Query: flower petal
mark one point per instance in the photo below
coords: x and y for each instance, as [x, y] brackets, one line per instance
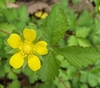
[14, 40]
[17, 60]
[29, 34]
[34, 63]
[40, 47]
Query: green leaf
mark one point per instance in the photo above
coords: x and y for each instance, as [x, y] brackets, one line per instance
[3, 4]
[92, 80]
[54, 26]
[84, 76]
[71, 17]
[1, 86]
[83, 42]
[23, 14]
[33, 78]
[8, 28]
[84, 86]
[14, 84]
[72, 41]
[49, 68]
[97, 2]
[82, 32]
[27, 71]
[95, 33]
[2, 72]
[7, 68]
[64, 3]
[12, 75]
[85, 19]
[10, 14]
[17, 71]
[12, 1]
[78, 56]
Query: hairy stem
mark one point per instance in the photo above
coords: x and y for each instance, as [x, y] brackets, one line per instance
[4, 32]
[62, 82]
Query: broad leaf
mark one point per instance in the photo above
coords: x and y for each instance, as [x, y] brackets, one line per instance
[54, 26]
[80, 57]
[49, 68]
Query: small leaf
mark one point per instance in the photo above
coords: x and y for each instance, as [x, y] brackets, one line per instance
[17, 71]
[82, 32]
[83, 42]
[78, 56]
[8, 28]
[84, 76]
[54, 25]
[23, 14]
[83, 86]
[7, 68]
[49, 69]
[14, 84]
[72, 41]
[12, 75]
[27, 71]
[10, 15]
[85, 19]
[33, 78]
[2, 72]
[92, 80]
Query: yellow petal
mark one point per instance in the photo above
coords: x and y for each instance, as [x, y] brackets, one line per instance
[38, 14]
[34, 63]
[29, 34]
[14, 40]
[17, 60]
[41, 47]
[44, 15]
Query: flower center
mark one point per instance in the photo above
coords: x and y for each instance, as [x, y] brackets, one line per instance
[26, 48]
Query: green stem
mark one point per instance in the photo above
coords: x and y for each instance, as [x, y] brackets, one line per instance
[62, 82]
[4, 32]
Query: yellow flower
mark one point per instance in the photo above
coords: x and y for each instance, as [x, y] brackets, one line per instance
[41, 15]
[99, 8]
[27, 49]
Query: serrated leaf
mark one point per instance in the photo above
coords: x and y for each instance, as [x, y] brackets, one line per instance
[54, 26]
[33, 78]
[12, 75]
[14, 84]
[83, 42]
[10, 14]
[84, 76]
[17, 71]
[71, 17]
[72, 41]
[23, 14]
[78, 56]
[92, 80]
[82, 32]
[8, 28]
[95, 33]
[27, 71]
[7, 68]
[85, 19]
[49, 69]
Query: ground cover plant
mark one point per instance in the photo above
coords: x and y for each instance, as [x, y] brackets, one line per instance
[56, 49]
